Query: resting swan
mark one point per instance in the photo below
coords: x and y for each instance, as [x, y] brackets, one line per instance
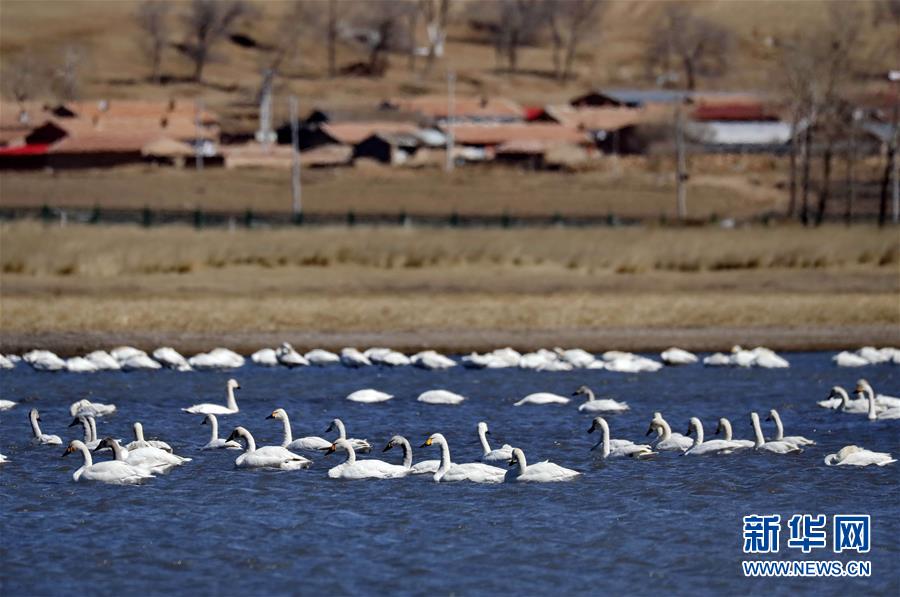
[353, 469]
[542, 472]
[369, 396]
[440, 397]
[797, 440]
[267, 456]
[724, 427]
[503, 453]
[853, 407]
[148, 458]
[206, 408]
[140, 442]
[215, 442]
[420, 468]
[360, 445]
[475, 472]
[666, 439]
[863, 387]
[6, 404]
[542, 398]
[715, 446]
[593, 405]
[110, 471]
[41, 438]
[882, 415]
[304, 443]
[94, 409]
[856, 456]
[774, 446]
[622, 447]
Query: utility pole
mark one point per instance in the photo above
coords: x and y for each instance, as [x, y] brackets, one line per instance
[296, 203]
[200, 140]
[264, 135]
[681, 174]
[451, 101]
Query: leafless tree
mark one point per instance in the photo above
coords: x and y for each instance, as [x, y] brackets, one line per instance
[382, 26]
[331, 34]
[22, 78]
[66, 78]
[519, 24]
[570, 21]
[206, 23]
[685, 41]
[435, 14]
[152, 17]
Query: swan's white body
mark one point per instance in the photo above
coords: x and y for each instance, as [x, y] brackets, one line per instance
[849, 359]
[171, 359]
[797, 440]
[542, 398]
[700, 447]
[44, 360]
[149, 459]
[667, 440]
[207, 408]
[139, 362]
[289, 357]
[884, 414]
[351, 357]
[217, 358]
[369, 396]
[542, 472]
[274, 457]
[94, 409]
[140, 442]
[265, 357]
[431, 360]
[863, 387]
[717, 360]
[476, 472]
[835, 398]
[123, 353]
[503, 453]
[440, 397]
[856, 456]
[593, 405]
[775, 446]
[353, 469]
[103, 360]
[359, 445]
[386, 356]
[320, 357]
[622, 448]
[576, 357]
[725, 428]
[677, 356]
[6, 363]
[215, 442]
[39, 437]
[6, 405]
[80, 365]
[309, 444]
[114, 472]
[420, 468]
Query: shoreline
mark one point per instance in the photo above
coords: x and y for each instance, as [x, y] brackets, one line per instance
[459, 341]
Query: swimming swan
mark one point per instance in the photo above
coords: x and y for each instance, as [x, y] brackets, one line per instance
[6, 404]
[369, 396]
[41, 438]
[148, 458]
[884, 414]
[856, 456]
[475, 472]
[666, 439]
[215, 442]
[420, 468]
[110, 471]
[95, 409]
[774, 446]
[700, 447]
[90, 440]
[724, 427]
[360, 445]
[304, 443]
[542, 472]
[217, 409]
[592, 405]
[503, 453]
[140, 442]
[863, 387]
[440, 397]
[622, 448]
[267, 456]
[354, 469]
[798, 440]
[542, 398]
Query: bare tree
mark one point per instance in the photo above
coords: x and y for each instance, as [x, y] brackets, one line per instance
[66, 78]
[331, 37]
[22, 78]
[682, 40]
[519, 24]
[435, 14]
[379, 25]
[152, 16]
[207, 22]
[570, 21]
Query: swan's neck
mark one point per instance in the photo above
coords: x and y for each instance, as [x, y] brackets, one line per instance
[666, 430]
[139, 432]
[872, 415]
[757, 432]
[523, 464]
[407, 454]
[93, 424]
[251, 443]
[779, 428]
[230, 401]
[342, 431]
[118, 453]
[482, 435]
[88, 461]
[590, 395]
[214, 429]
[35, 426]
[845, 400]
[87, 430]
[726, 426]
[698, 432]
[445, 458]
[288, 436]
[604, 438]
[351, 453]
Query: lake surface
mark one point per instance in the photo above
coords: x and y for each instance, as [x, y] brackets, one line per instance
[672, 524]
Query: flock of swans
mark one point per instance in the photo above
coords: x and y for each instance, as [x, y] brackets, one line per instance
[141, 459]
[128, 358]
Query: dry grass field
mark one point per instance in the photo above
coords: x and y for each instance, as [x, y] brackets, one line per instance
[76, 287]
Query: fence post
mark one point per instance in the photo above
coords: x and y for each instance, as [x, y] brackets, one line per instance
[146, 217]
[95, 215]
[506, 221]
[248, 218]
[454, 219]
[297, 219]
[198, 219]
[351, 218]
[46, 214]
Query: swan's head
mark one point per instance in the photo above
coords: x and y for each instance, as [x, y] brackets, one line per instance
[79, 420]
[754, 418]
[138, 428]
[483, 428]
[434, 438]
[211, 418]
[581, 391]
[517, 456]
[599, 423]
[722, 426]
[278, 413]
[736, 349]
[340, 444]
[773, 414]
[862, 386]
[693, 424]
[397, 440]
[238, 434]
[233, 384]
[34, 415]
[335, 424]
[74, 446]
[106, 442]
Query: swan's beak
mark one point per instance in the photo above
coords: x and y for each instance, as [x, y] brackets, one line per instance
[331, 450]
[487, 431]
[232, 436]
[426, 444]
[649, 431]
[388, 447]
[688, 432]
[593, 426]
[203, 422]
[768, 417]
[67, 451]
[330, 427]
[272, 416]
[74, 423]
[511, 462]
[718, 429]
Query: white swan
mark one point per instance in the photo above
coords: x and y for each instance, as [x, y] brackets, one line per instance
[230, 407]
[849, 359]
[542, 398]
[308, 443]
[774, 446]
[351, 357]
[88, 408]
[884, 414]
[593, 405]
[6, 363]
[103, 360]
[542, 472]
[320, 357]
[360, 445]
[369, 396]
[677, 356]
[217, 358]
[148, 458]
[717, 359]
[289, 357]
[353, 469]
[798, 440]
[767, 359]
[110, 471]
[420, 468]
[386, 356]
[576, 357]
[440, 397]
[836, 397]
[475, 472]
[140, 362]
[856, 456]
[622, 448]
[503, 453]
[859, 406]
[863, 387]
[700, 447]
[140, 442]
[123, 353]
[6, 404]
[90, 438]
[267, 456]
[666, 439]
[215, 442]
[171, 358]
[80, 365]
[3, 459]
[265, 357]
[431, 360]
[724, 427]
[44, 360]
[41, 438]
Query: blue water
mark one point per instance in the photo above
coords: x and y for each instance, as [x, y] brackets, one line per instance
[672, 524]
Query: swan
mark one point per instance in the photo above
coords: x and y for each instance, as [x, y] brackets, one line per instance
[3, 459]
[304, 443]
[542, 398]
[217, 358]
[6, 363]
[215, 442]
[774, 446]
[41, 438]
[103, 360]
[593, 405]
[542, 472]
[420, 468]
[94, 409]
[206, 408]
[289, 357]
[856, 456]
[717, 360]
[668, 440]
[884, 414]
[677, 356]
[110, 471]
[351, 357]
[626, 362]
[475, 472]
[849, 359]
[90, 439]
[798, 440]
[576, 357]
[265, 357]
[140, 442]
[724, 427]
[80, 365]
[767, 359]
[153, 460]
[440, 397]
[431, 360]
[360, 445]
[44, 360]
[123, 353]
[863, 387]
[386, 356]
[140, 362]
[835, 398]
[6, 404]
[853, 407]
[369, 396]
[503, 453]
[266, 456]
[741, 357]
[353, 469]
[700, 447]
[321, 357]
[622, 448]
[875, 356]
[171, 359]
